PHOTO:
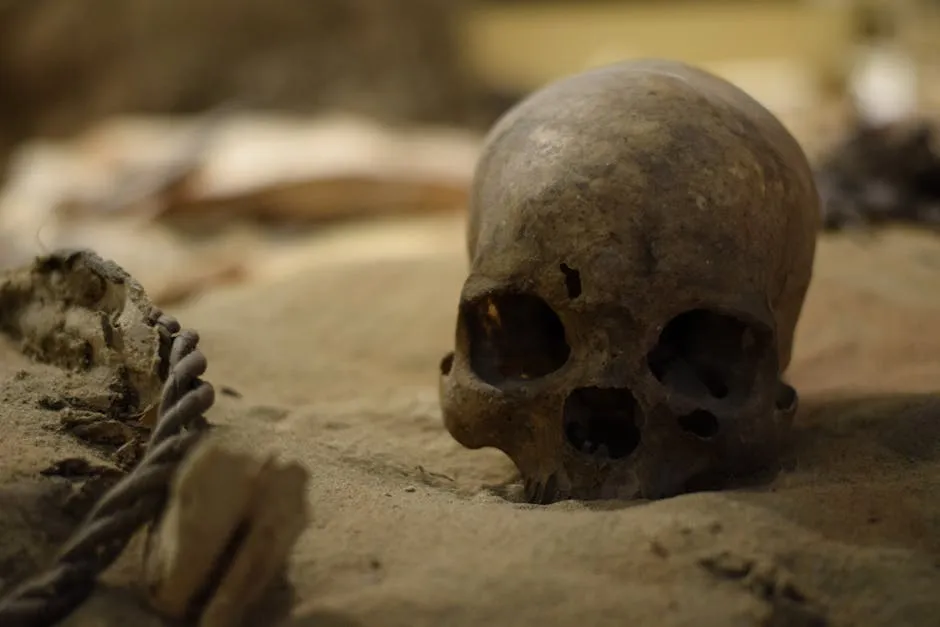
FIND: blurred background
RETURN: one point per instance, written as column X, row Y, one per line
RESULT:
column 194, row 141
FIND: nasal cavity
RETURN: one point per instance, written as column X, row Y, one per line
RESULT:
column 602, row 422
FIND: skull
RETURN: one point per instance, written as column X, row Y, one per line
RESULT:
column 641, row 239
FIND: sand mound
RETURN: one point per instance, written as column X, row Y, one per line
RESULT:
column 335, row 366
column 79, row 371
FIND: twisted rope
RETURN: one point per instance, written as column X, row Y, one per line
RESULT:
column 134, row 501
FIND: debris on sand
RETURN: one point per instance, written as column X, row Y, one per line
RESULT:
column 882, row 174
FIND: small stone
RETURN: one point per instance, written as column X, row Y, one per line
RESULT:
column 105, row 432
column 70, row 418
column 229, row 391
column 71, row 467
column 727, row 565
column 51, row 403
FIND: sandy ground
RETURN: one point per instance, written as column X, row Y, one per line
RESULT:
column 335, row 365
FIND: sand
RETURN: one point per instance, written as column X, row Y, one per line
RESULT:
column 334, row 363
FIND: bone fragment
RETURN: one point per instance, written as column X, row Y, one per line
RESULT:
column 231, row 521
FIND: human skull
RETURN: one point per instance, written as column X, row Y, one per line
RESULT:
column 641, row 239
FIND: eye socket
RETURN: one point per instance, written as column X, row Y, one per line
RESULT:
column 702, row 352
column 513, row 337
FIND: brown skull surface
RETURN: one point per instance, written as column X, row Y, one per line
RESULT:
column 641, row 240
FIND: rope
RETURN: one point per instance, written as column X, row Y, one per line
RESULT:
column 136, row 500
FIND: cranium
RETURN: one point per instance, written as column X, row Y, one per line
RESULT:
column 641, row 239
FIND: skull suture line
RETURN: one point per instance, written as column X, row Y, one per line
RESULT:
column 641, row 240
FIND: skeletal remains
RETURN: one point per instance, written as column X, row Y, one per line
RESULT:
column 641, row 239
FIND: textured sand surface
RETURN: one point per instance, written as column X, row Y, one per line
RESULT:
column 335, row 364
